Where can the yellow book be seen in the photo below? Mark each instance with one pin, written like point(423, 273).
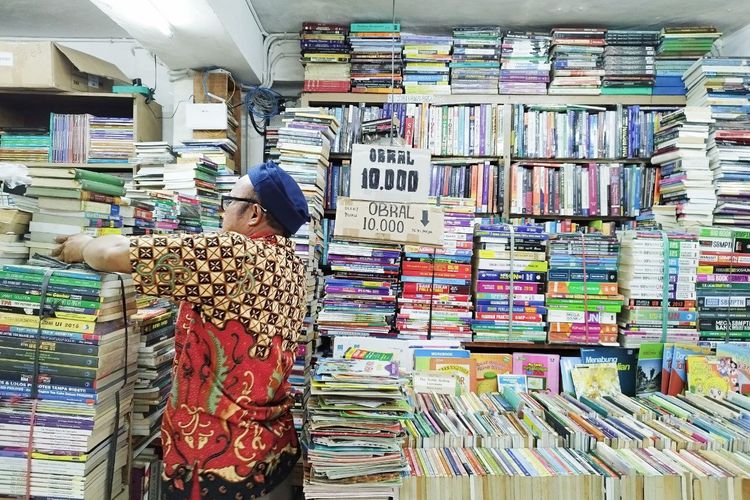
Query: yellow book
point(704, 376)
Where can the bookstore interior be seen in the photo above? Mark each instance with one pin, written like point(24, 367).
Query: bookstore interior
point(523, 270)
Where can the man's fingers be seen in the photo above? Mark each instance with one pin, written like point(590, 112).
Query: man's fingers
point(61, 239)
point(57, 251)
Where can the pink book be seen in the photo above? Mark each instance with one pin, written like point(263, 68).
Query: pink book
point(542, 370)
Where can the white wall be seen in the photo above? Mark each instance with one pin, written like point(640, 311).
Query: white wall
point(736, 44)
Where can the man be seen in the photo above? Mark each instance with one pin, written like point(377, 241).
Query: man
point(227, 430)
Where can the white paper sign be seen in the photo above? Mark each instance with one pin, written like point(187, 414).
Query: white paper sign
point(399, 223)
point(389, 173)
point(6, 58)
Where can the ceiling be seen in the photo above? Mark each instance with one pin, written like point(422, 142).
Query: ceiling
point(439, 15)
point(56, 19)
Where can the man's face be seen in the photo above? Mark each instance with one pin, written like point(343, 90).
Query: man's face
point(241, 216)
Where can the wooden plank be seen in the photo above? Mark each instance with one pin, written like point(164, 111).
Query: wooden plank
point(147, 120)
point(318, 99)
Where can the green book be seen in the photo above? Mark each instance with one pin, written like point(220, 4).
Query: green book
point(626, 90)
point(75, 174)
point(648, 373)
point(375, 27)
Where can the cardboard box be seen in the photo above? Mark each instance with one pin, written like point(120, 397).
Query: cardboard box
point(49, 66)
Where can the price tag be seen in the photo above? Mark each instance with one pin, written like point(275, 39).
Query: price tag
point(390, 173)
point(386, 222)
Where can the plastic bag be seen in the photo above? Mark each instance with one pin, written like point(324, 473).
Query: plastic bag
point(13, 175)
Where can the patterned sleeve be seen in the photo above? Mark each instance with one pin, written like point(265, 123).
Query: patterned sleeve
point(193, 267)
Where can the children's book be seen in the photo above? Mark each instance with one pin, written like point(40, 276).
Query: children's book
point(462, 368)
point(736, 365)
point(423, 357)
point(542, 370)
point(648, 373)
point(567, 363)
point(678, 374)
point(625, 360)
point(596, 380)
point(510, 381)
point(666, 367)
point(488, 367)
point(704, 376)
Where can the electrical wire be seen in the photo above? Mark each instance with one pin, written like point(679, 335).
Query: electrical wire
point(262, 104)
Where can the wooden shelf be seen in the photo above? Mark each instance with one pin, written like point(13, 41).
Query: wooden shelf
point(65, 95)
point(581, 218)
point(85, 166)
point(350, 98)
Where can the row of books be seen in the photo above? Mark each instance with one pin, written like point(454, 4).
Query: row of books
point(83, 138)
point(567, 132)
point(590, 190)
point(488, 60)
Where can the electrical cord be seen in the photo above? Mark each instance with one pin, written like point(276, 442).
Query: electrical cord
point(262, 104)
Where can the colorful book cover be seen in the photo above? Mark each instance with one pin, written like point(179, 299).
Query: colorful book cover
point(666, 367)
point(678, 374)
point(517, 383)
point(567, 364)
point(737, 366)
point(542, 370)
point(596, 380)
point(707, 376)
point(462, 368)
point(648, 374)
point(488, 367)
point(626, 361)
point(423, 357)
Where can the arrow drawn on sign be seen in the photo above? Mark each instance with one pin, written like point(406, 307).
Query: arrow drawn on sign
point(425, 218)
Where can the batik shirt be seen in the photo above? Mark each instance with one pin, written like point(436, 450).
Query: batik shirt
point(242, 302)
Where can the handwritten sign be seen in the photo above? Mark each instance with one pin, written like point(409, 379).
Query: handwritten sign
point(378, 221)
point(389, 173)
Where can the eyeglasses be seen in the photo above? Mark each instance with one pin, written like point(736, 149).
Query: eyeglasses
point(227, 200)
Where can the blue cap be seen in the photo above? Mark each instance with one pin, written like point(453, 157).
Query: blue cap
point(280, 195)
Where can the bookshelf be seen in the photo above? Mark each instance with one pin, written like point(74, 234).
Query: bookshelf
point(22, 109)
point(504, 157)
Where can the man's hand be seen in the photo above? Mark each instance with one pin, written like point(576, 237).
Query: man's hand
point(71, 248)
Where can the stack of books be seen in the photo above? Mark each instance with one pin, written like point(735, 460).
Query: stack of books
point(510, 277)
point(150, 159)
point(376, 58)
point(582, 293)
point(454, 181)
point(225, 180)
point(24, 145)
point(110, 139)
point(577, 61)
point(353, 434)
point(651, 312)
point(14, 224)
point(145, 476)
point(449, 134)
point(196, 178)
point(360, 296)
point(426, 61)
point(594, 189)
point(339, 177)
point(475, 66)
point(685, 179)
point(137, 218)
point(155, 325)
point(723, 286)
point(715, 82)
point(166, 211)
point(569, 132)
point(435, 299)
point(72, 201)
point(630, 62)
point(82, 359)
point(677, 51)
point(325, 55)
point(299, 381)
point(524, 63)
point(189, 214)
